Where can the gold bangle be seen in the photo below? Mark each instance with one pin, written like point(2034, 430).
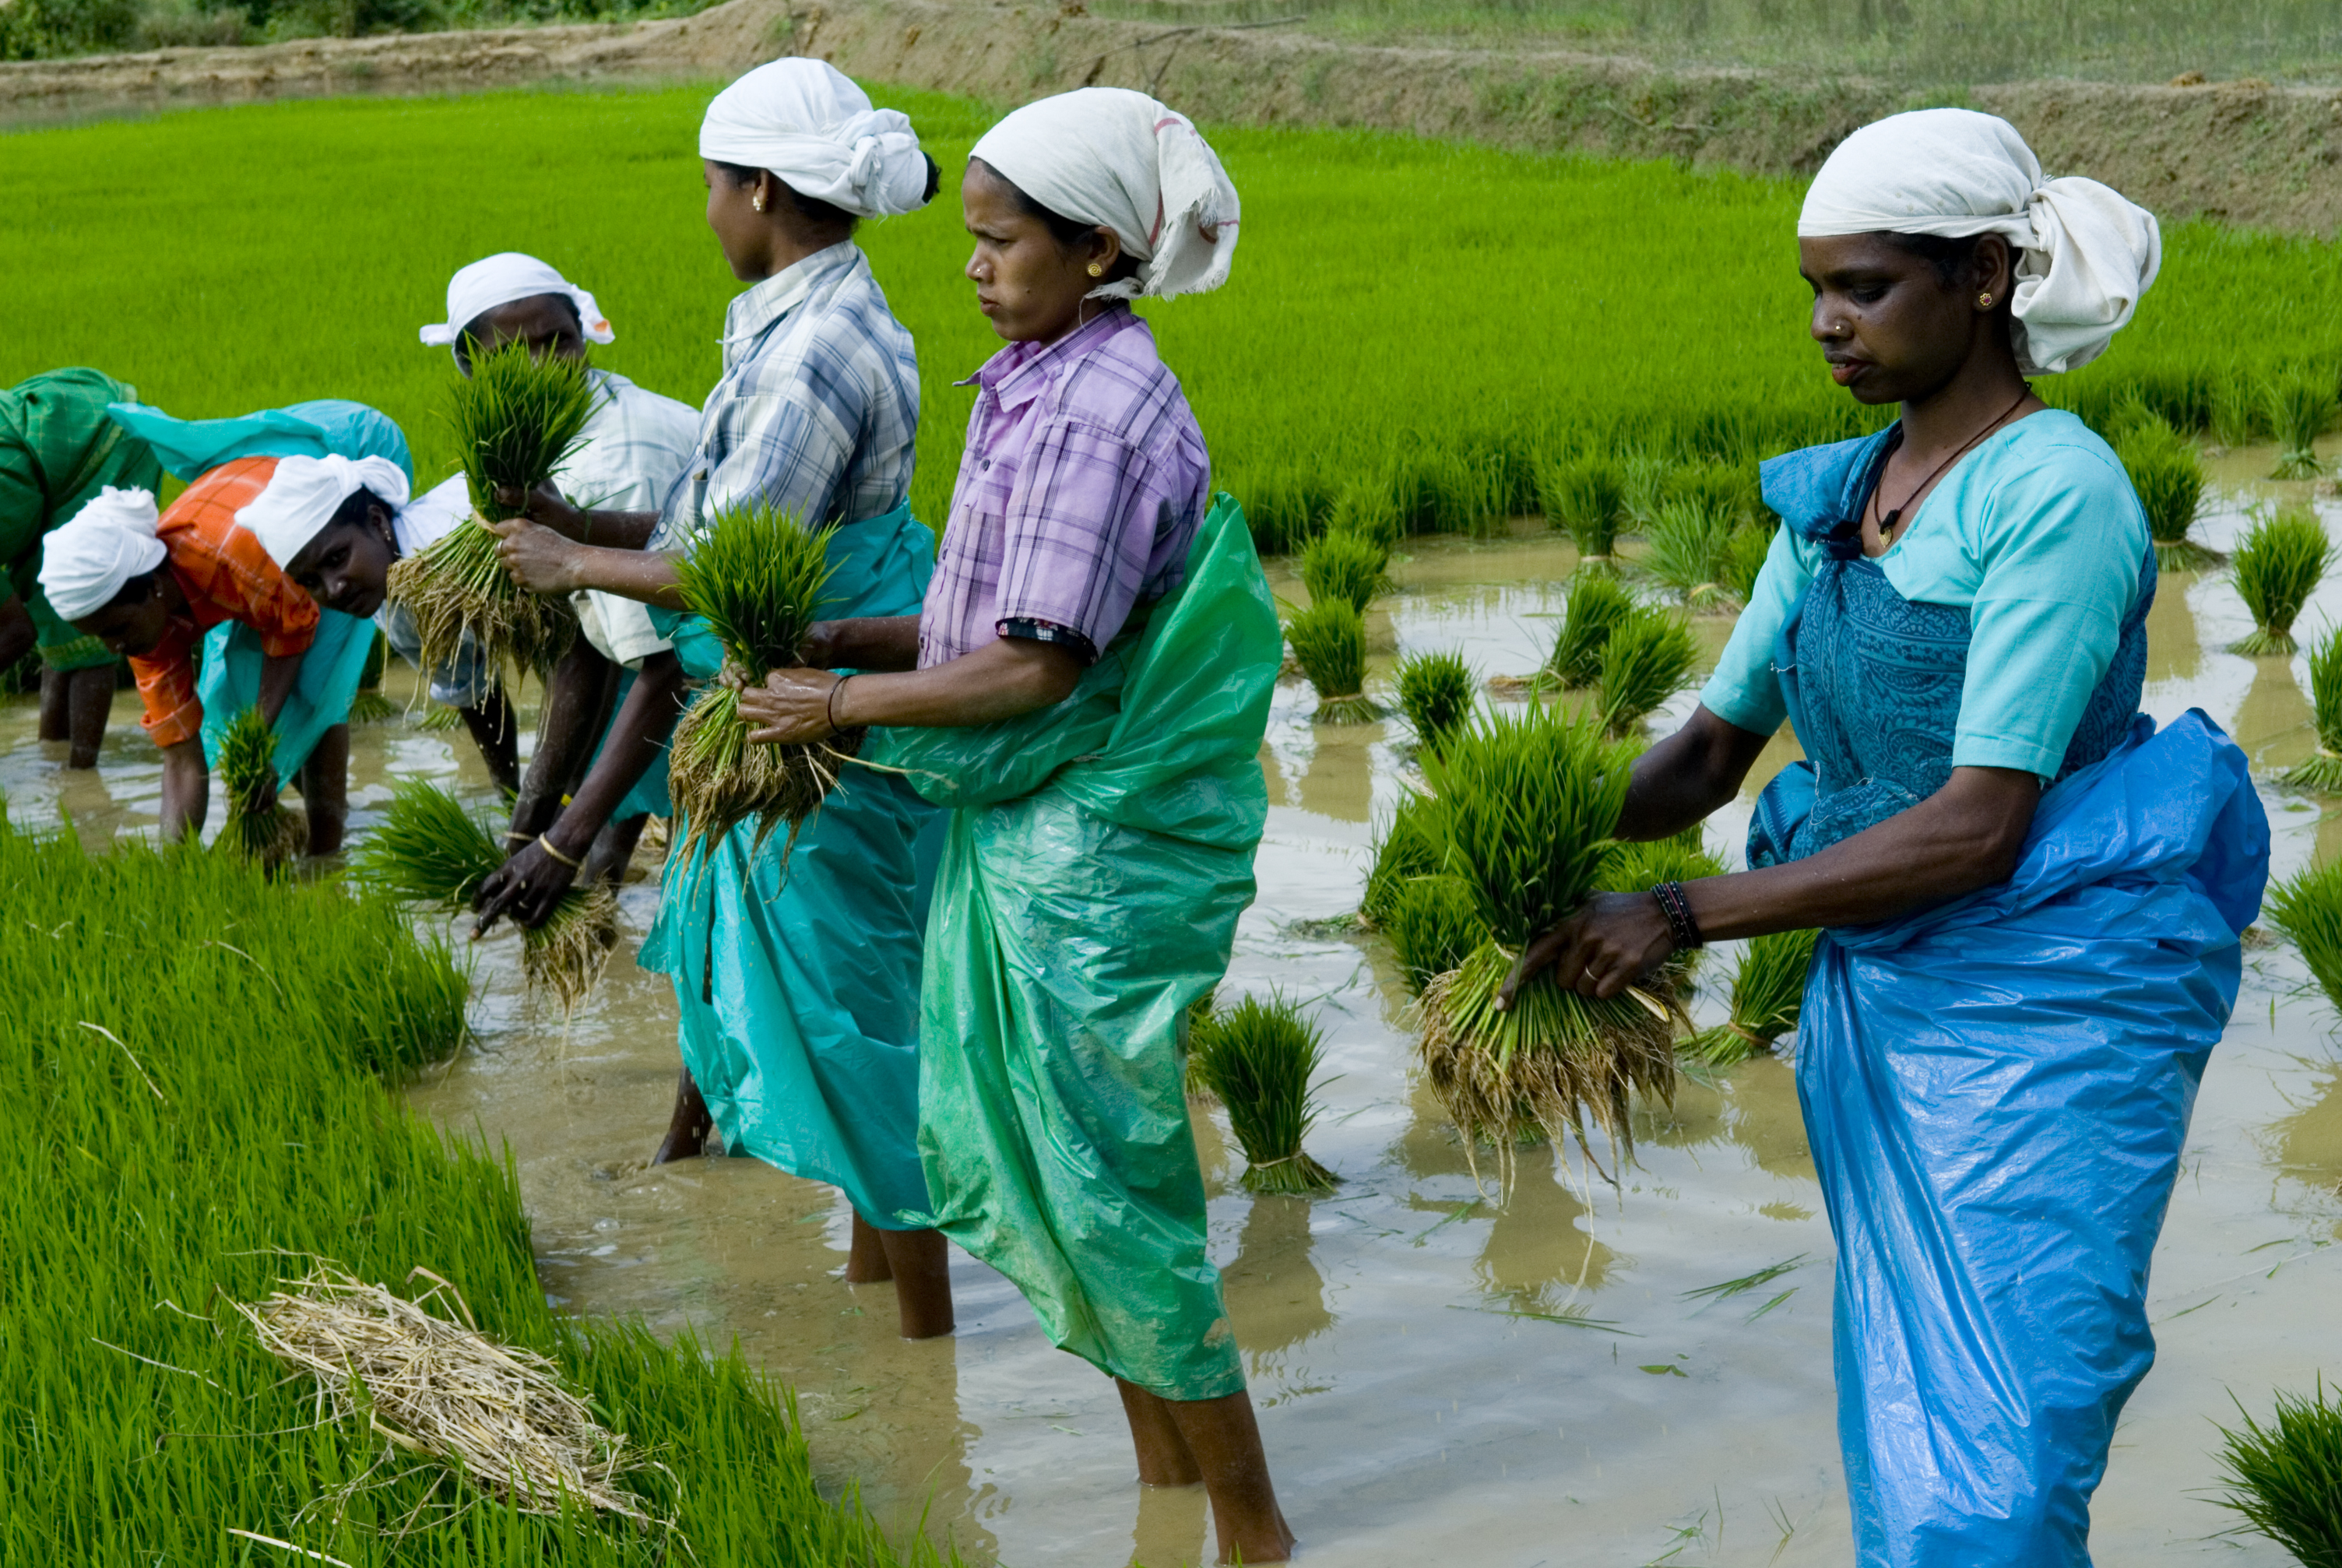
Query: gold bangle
point(546, 845)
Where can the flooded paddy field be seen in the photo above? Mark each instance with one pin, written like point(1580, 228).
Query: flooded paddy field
point(1447, 1372)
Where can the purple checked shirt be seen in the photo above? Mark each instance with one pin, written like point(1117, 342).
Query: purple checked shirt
point(1083, 485)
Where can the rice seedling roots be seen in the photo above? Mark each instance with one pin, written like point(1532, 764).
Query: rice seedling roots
point(2262, 641)
point(2187, 556)
point(459, 585)
point(1357, 708)
point(566, 954)
point(717, 780)
point(2321, 774)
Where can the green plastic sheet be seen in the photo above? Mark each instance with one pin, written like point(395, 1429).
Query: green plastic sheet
point(1097, 857)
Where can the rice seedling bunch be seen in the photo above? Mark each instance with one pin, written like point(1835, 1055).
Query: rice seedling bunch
point(428, 850)
point(2307, 907)
point(1199, 1018)
point(1407, 849)
point(1338, 564)
point(1329, 639)
point(1435, 693)
point(1434, 926)
point(1596, 607)
point(1744, 558)
point(1690, 541)
point(258, 827)
point(2300, 406)
point(1526, 807)
point(2323, 773)
point(440, 717)
point(2286, 1478)
point(370, 706)
point(1727, 493)
point(457, 585)
point(1646, 475)
point(2169, 479)
point(1648, 659)
point(1472, 492)
point(1587, 494)
point(1766, 992)
point(1367, 508)
point(759, 581)
point(516, 419)
point(2278, 566)
point(1260, 1058)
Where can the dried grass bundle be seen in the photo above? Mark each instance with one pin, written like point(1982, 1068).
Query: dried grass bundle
point(497, 1414)
point(258, 827)
point(1435, 693)
point(1259, 1058)
point(1329, 642)
point(758, 579)
point(2278, 565)
point(1766, 993)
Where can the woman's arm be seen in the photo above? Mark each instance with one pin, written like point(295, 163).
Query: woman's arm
point(869, 642)
point(278, 676)
point(1003, 679)
point(186, 789)
point(1687, 776)
point(543, 562)
point(565, 733)
point(587, 525)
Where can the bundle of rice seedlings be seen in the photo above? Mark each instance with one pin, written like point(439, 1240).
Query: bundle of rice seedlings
point(440, 717)
point(1646, 473)
point(2323, 773)
point(1595, 608)
point(1199, 1018)
point(1587, 494)
point(1744, 558)
point(258, 827)
point(1259, 1058)
point(2278, 565)
point(2169, 479)
point(428, 850)
point(1337, 564)
point(1473, 492)
point(517, 420)
point(1329, 639)
point(1690, 541)
point(1526, 808)
point(1367, 508)
point(2300, 406)
point(1434, 692)
point(1434, 926)
point(1766, 992)
point(2307, 907)
point(497, 1414)
point(1648, 658)
point(1405, 850)
point(758, 580)
point(1727, 493)
point(370, 706)
point(2286, 1478)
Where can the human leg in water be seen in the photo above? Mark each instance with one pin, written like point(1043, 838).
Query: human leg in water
point(492, 730)
point(1180, 1442)
point(612, 851)
point(75, 704)
point(325, 790)
point(688, 1125)
point(918, 1262)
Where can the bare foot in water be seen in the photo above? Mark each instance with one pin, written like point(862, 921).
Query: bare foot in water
point(687, 1127)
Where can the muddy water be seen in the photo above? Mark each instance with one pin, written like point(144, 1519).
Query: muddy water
point(1421, 1398)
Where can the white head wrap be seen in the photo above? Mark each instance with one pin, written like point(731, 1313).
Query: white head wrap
point(111, 540)
point(1111, 156)
point(2086, 254)
point(500, 279)
point(806, 122)
point(305, 492)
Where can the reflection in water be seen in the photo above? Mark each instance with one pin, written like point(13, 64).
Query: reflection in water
point(2309, 1143)
point(1170, 1533)
point(1276, 1296)
point(2173, 652)
point(1766, 1120)
point(2274, 725)
point(1339, 781)
point(1538, 1254)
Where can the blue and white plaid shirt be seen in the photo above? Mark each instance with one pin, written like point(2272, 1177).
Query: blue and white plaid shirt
point(818, 407)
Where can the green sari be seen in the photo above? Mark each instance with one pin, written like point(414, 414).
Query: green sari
point(57, 451)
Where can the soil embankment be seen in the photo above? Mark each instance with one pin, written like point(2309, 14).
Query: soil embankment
point(2244, 152)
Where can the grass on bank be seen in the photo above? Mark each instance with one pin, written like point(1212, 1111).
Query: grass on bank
point(193, 1110)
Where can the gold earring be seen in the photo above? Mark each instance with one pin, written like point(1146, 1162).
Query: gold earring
point(1984, 301)
point(1098, 269)
point(759, 200)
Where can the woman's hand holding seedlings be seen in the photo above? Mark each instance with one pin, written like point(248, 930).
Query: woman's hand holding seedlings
point(539, 559)
point(790, 708)
point(1612, 941)
point(527, 887)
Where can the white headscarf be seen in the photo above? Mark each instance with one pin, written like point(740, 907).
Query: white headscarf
point(500, 279)
point(2086, 254)
point(305, 492)
point(111, 540)
point(1110, 156)
point(807, 122)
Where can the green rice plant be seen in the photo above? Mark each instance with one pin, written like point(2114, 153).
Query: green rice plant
point(1766, 992)
point(2300, 406)
point(428, 850)
point(1405, 849)
point(1681, 857)
point(1587, 494)
point(2278, 566)
point(1595, 608)
point(1367, 508)
point(1523, 813)
point(1690, 541)
point(1260, 1059)
point(1435, 692)
point(759, 581)
point(1472, 492)
point(1648, 659)
point(1285, 510)
point(1199, 1017)
point(2286, 1478)
point(1330, 641)
point(2323, 773)
point(1744, 559)
point(2307, 907)
point(258, 827)
point(1434, 927)
point(370, 706)
point(1729, 492)
point(1646, 473)
point(440, 717)
point(2169, 479)
point(1339, 565)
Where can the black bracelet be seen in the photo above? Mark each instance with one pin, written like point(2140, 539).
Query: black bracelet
point(1677, 908)
point(829, 707)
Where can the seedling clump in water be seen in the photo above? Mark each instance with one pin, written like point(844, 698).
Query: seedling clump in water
point(258, 828)
point(1259, 1058)
point(2277, 566)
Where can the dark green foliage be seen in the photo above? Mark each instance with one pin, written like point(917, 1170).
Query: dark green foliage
point(2286, 1478)
point(2323, 773)
point(1434, 926)
point(1340, 564)
point(1595, 608)
point(2307, 907)
point(1259, 1059)
point(1285, 510)
point(1744, 558)
point(1766, 992)
point(1648, 658)
point(1368, 509)
point(2278, 565)
point(427, 849)
point(1435, 692)
point(2300, 406)
point(1405, 849)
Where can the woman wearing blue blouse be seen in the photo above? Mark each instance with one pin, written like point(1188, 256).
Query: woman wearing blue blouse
point(2032, 900)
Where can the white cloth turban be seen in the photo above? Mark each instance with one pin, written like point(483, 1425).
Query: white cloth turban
point(500, 279)
point(806, 122)
point(2086, 254)
point(111, 540)
point(305, 492)
point(1112, 157)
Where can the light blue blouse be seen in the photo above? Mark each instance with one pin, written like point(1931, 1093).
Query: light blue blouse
point(2039, 536)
